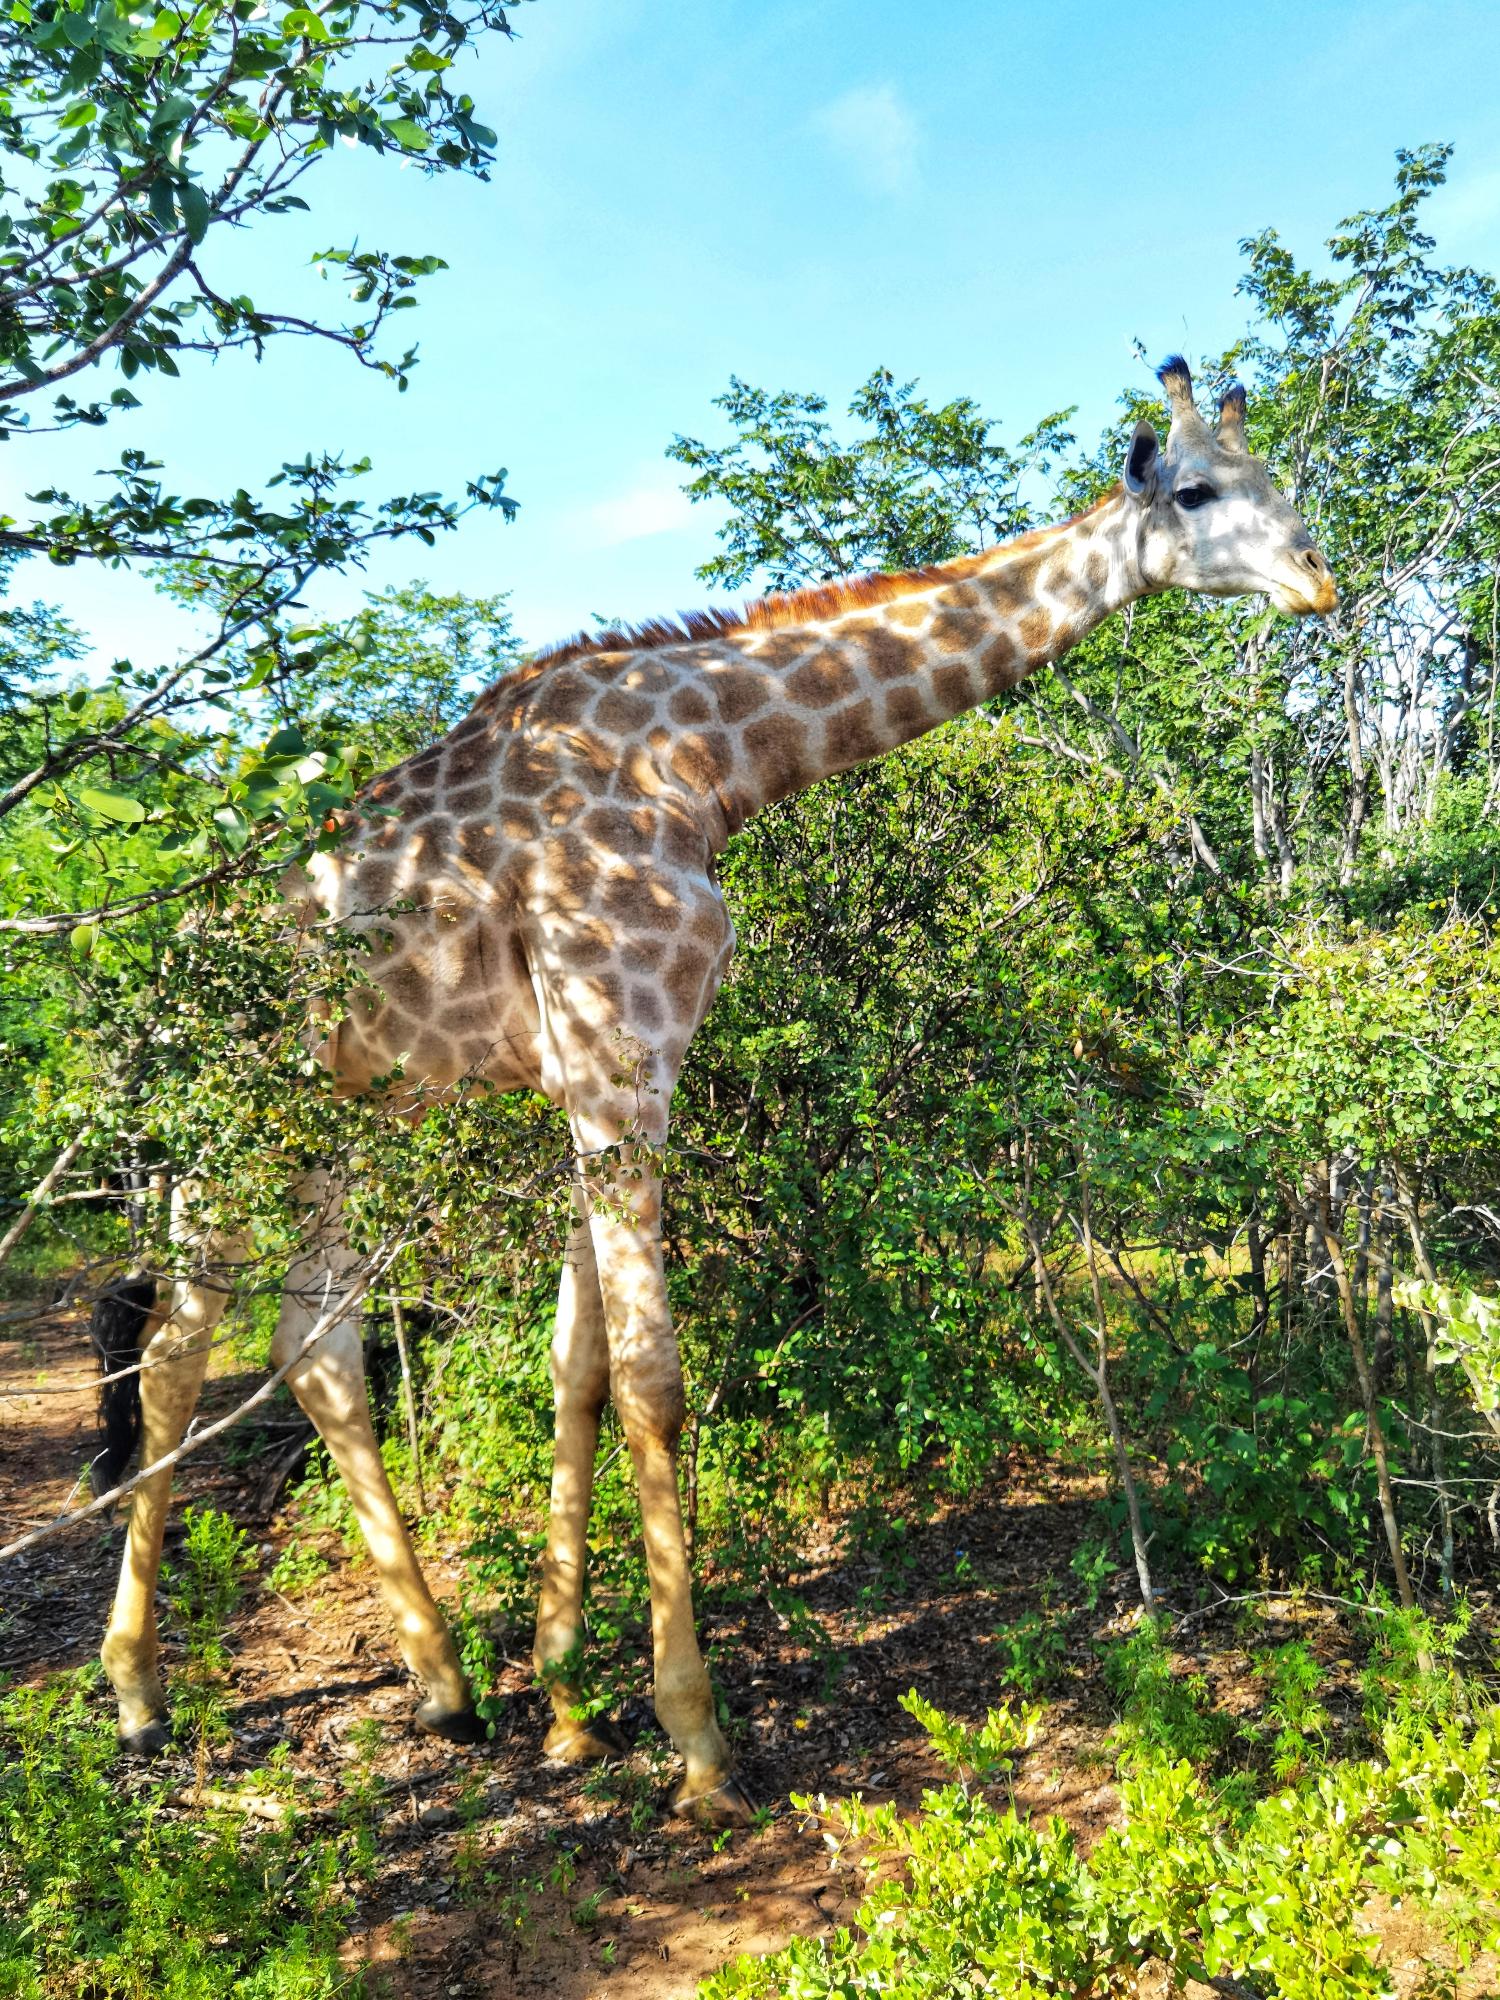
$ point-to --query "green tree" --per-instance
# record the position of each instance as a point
(918, 485)
(135, 148)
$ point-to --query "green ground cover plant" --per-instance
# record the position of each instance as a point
(110, 1887)
(1218, 1878)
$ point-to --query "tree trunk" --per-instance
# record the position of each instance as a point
(1321, 1218)
(1384, 1355)
(1258, 816)
(1359, 1277)
(1098, 1374)
(1260, 1298)
(1359, 777)
(1286, 855)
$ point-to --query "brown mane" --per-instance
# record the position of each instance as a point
(789, 607)
(761, 614)
(767, 614)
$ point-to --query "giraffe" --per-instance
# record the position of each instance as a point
(537, 892)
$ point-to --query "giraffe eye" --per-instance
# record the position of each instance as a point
(1194, 496)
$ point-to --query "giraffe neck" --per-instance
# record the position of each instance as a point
(804, 701)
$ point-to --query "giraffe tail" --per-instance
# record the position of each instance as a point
(118, 1321)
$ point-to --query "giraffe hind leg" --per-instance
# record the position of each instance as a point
(175, 1359)
(580, 1385)
(329, 1383)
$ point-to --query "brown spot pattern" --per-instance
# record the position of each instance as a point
(529, 769)
(562, 804)
(955, 631)
(739, 691)
(953, 689)
(690, 704)
(642, 954)
(1015, 584)
(560, 697)
(620, 712)
(570, 870)
(519, 823)
(685, 981)
(642, 900)
(997, 663)
(906, 712)
(891, 655)
(851, 736)
(822, 680)
(701, 758)
(471, 799)
(1036, 630)
(620, 831)
(777, 748)
(646, 1010)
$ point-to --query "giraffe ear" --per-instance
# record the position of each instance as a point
(1141, 462)
(1232, 418)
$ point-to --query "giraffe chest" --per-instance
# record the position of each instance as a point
(443, 992)
(517, 951)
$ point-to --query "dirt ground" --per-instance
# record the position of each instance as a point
(501, 1875)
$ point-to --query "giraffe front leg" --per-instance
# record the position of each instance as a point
(580, 1385)
(646, 1382)
(174, 1361)
(330, 1386)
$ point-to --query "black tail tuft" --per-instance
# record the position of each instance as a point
(118, 1322)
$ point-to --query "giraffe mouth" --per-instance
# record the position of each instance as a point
(1302, 585)
(1297, 601)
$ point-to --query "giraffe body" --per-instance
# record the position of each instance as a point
(557, 848)
(537, 899)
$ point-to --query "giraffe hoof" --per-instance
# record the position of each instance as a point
(455, 1725)
(150, 1740)
(584, 1742)
(724, 1804)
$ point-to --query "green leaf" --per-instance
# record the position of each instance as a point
(302, 21)
(159, 200)
(233, 826)
(172, 113)
(195, 210)
(408, 133)
(113, 805)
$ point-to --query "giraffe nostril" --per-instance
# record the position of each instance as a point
(1313, 561)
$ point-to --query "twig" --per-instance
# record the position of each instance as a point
(1291, 1596)
(258, 1805)
(375, 1268)
(41, 1191)
(398, 1321)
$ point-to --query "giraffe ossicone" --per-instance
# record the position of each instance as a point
(537, 892)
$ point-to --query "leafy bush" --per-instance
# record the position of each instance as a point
(105, 1890)
(982, 1900)
(1163, 1713)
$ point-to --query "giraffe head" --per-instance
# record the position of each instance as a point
(1210, 519)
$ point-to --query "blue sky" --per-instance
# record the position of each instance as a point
(995, 198)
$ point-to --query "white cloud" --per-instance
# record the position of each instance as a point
(875, 136)
(650, 508)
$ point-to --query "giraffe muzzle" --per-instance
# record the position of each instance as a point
(1304, 586)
